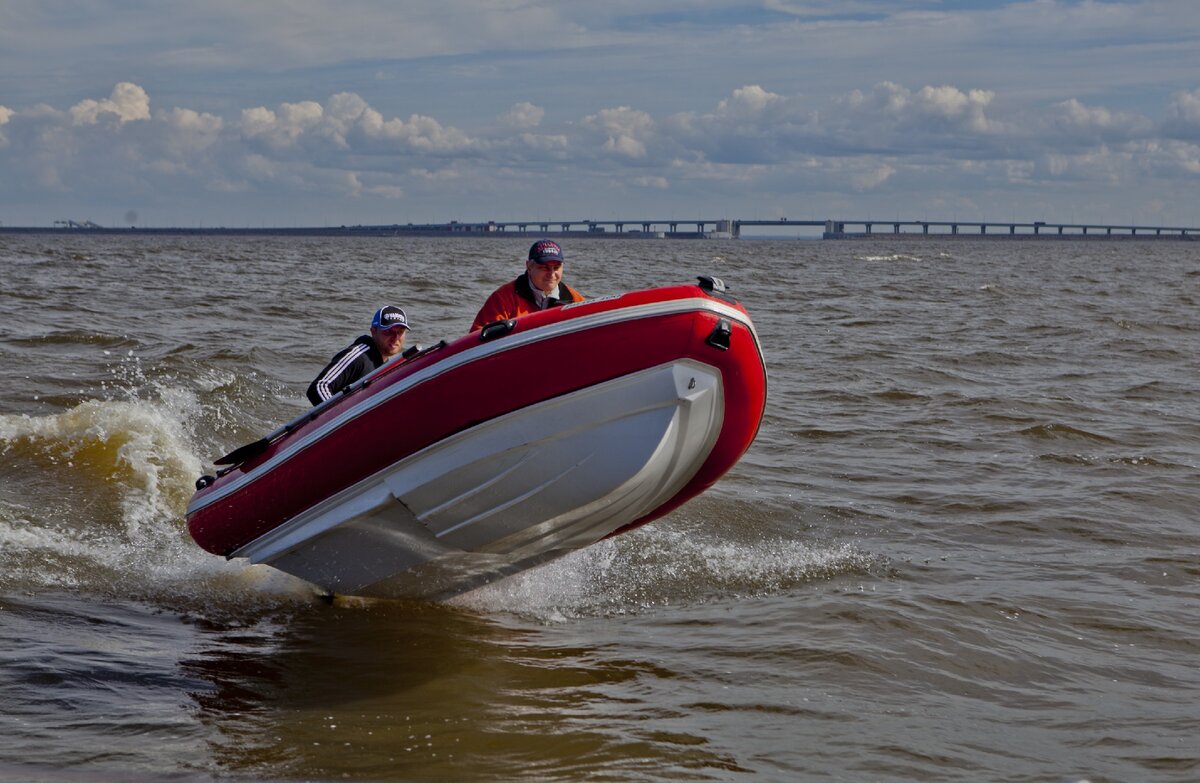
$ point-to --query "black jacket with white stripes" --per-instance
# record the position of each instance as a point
(347, 366)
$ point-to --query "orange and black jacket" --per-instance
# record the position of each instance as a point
(516, 298)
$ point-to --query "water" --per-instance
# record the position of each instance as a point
(963, 548)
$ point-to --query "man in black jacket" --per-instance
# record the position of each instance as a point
(384, 343)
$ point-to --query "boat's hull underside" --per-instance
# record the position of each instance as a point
(462, 512)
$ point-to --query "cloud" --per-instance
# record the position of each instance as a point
(555, 145)
(756, 126)
(749, 101)
(1076, 120)
(127, 103)
(874, 177)
(626, 132)
(654, 183)
(348, 122)
(5, 115)
(1183, 115)
(826, 8)
(966, 109)
(943, 110)
(282, 128)
(1182, 156)
(523, 115)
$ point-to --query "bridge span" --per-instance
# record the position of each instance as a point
(838, 229)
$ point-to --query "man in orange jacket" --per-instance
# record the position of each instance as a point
(540, 287)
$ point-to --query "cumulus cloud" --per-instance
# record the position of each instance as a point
(282, 128)
(954, 105)
(747, 101)
(750, 126)
(930, 109)
(1185, 106)
(1183, 115)
(1184, 156)
(1075, 119)
(626, 131)
(5, 114)
(523, 116)
(654, 183)
(555, 144)
(347, 122)
(127, 103)
(873, 177)
(188, 132)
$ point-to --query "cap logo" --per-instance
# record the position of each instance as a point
(389, 316)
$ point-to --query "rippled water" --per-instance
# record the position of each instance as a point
(964, 546)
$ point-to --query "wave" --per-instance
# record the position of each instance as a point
(99, 477)
(139, 447)
(1129, 461)
(1062, 431)
(98, 495)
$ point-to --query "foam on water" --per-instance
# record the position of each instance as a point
(889, 257)
(139, 446)
(116, 476)
(667, 563)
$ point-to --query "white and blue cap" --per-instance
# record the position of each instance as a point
(389, 317)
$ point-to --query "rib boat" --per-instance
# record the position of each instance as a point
(474, 459)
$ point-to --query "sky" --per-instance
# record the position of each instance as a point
(160, 113)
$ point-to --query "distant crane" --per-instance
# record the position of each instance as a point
(76, 224)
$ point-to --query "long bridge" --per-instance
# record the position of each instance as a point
(676, 228)
(837, 229)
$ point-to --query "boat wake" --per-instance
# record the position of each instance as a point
(111, 479)
(669, 563)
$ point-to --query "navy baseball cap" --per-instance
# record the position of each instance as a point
(389, 317)
(544, 250)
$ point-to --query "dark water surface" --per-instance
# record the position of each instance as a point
(965, 546)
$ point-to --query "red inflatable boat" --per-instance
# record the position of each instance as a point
(475, 459)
